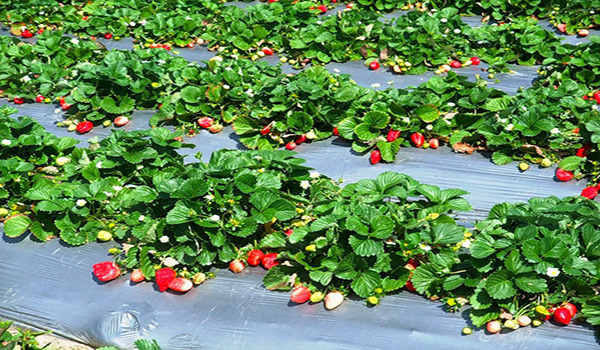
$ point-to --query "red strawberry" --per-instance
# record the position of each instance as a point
(414, 263)
(19, 100)
(374, 65)
(191, 45)
(66, 107)
(300, 139)
(375, 157)
(300, 295)
(563, 175)
(236, 266)
(137, 276)
(267, 51)
(575, 131)
(455, 64)
(571, 308)
(41, 31)
(106, 271)
(434, 143)
(597, 96)
(205, 122)
(84, 127)
(322, 8)
(164, 277)
(562, 315)
(289, 232)
(181, 285)
(393, 135)
(26, 34)
(120, 121)
(581, 152)
(336, 132)
(39, 98)
(494, 327)
(84, 18)
(475, 60)
(265, 130)
(417, 139)
(561, 27)
(410, 287)
(290, 146)
(61, 101)
(585, 97)
(350, 5)
(590, 193)
(108, 36)
(254, 257)
(269, 260)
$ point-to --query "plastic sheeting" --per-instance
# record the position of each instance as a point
(50, 285)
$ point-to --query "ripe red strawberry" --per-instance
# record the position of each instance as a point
(267, 51)
(392, 135)
(434, 143)
(39, 99)
(300, 294)
(120, 121)
(414, 263)
(300, 139)
(322, 8)
(561, 27)
(562, 315)
(494, 327)
(180, 284)
(237, 266)
(417, 139)
(289, 232)
(575, 131)
(265, 130)
(374, 65)
(572, 308)
(106, 271)
(269, 260)
(26, 34)
(254, 257)
(191, 45)
(66, 107)
(61, 101)
(455, 64)
(563, 175)
(375, 157)
(137, 276)
(585, 97)
(108, 36)
(290, 145)
(205, 122)
(350, 5)
(590, 193)
(19, 100)
(475, 60)
(597, 96)
(581, 152)
(84, 127)
(336, 132)
(164, 277)
(410, 287)
(41, 31)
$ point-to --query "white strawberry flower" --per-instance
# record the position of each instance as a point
(304, 184)
(126, 24)
(226, 87)
(429, 127)
(6, 142)
(170, 262)
(99, 165)
(162, 61)
(250, 93)
(142, 218)
(75, 41)
(80, 202)
(132, 23)
(314, 174)
(552, 272)
(406, 120)
(451, 104)
(375, 85)
(503, 120)
(140, 167)
(319, 22)
(108, 194)
(444, 20)
(466, 244)
(228, 68)
(425, 247)
(58, 110)
(215, 218)
(456, 31)
(117, 188)
(164, 239)
(391, 82)
(26, 79)
(209, 197)
(595, 107)
(336, 70)
(143, 22)
(555, 131)
(510, 127)
(524, 108)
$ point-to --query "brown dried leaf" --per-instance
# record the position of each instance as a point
(383, 55)
(462, 147)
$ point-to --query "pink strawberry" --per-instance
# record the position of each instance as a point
(106, 271)
(572, 308)
(300, 294)
(164, 277)
(180, 284)
(120, 121)
(215, 128)
(333, 300)
(494, 327)
(137, 276)
(237, 266)
(561, 27)
(434, 143)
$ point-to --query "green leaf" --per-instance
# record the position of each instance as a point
(427, 113)
(365, 246)
(531, 283)
(453, 282)
(389, 149)
(364, 284)
(447, 234)
(300, 122)
(346, 93)
(499, 285)
(481, 317)
(502, 157)
(570, 163)
(498, 104)
(127, 104)
(191, 94)
(16, 225)
(146, 264)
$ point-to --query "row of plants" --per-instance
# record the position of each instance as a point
(551, 122)
(177, 222)
(17, 338)
(410, 44)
